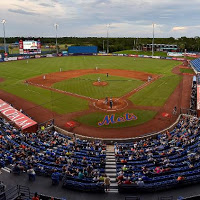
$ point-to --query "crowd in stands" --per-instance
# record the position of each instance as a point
(168, 160)
(50, 153)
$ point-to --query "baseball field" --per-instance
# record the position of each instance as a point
(76, 88)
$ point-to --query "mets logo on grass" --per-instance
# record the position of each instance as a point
(111, 119)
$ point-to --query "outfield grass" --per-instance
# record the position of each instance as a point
(189, 71)
(56, 102)
(83, 85)
(93, 118)
(15, 73)
(156, 93)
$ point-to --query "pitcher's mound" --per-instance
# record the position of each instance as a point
(101, 83)
(118, 104)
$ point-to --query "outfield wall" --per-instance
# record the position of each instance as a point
(25, 57)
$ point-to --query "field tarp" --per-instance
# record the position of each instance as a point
(17, 118)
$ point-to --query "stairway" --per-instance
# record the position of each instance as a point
(110, 168)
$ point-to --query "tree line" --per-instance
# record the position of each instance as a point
(116, 44)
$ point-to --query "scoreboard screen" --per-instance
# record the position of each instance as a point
(30, 47)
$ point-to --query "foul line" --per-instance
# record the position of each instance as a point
(64, 92)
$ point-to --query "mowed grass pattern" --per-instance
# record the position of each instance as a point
(14, 74)
(83, 85)
(156, 93)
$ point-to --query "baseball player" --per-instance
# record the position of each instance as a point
(99, 79)
(111, 103)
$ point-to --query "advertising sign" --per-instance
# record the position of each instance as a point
(38, 44)
(10, 59)
(65, 53)
(198, 97)
(20, 58)
(37, 56)
(18, 118)
(21, 44)
(1, 58)
(49, 55)
(176, 54)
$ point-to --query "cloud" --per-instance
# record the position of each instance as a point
(179, 28)
(21, 11)
(46, 5)
(131, 18)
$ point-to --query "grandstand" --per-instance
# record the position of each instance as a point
(195, 64)
(166, 161)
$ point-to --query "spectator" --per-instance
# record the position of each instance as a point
(140, 182)
(35, 197)
(107, 182)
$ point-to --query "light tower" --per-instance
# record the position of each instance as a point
(107, 38)
(3, 21)
(56, 27)
(153, 41)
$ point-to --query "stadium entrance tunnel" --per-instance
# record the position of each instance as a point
(110, 104)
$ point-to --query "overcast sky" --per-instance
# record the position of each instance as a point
(85, 18)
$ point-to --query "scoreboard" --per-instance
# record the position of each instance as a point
(30, 47)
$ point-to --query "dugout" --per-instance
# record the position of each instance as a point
(82, 50)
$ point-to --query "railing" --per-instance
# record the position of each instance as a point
(23, 193)
(46, 124)
(17, 191)
(188, 112)
(10, 194)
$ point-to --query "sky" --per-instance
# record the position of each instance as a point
(90, 18)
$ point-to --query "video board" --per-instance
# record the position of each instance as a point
(30, 47)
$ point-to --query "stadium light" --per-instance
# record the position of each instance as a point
(56, 27)
(103, 45)
(153, 41)
(3, 21)
(107, 38)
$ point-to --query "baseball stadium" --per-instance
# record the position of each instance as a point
(110, 106)
(81, 122)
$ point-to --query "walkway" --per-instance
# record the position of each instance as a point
(111, 168)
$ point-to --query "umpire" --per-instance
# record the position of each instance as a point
(111, 103)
